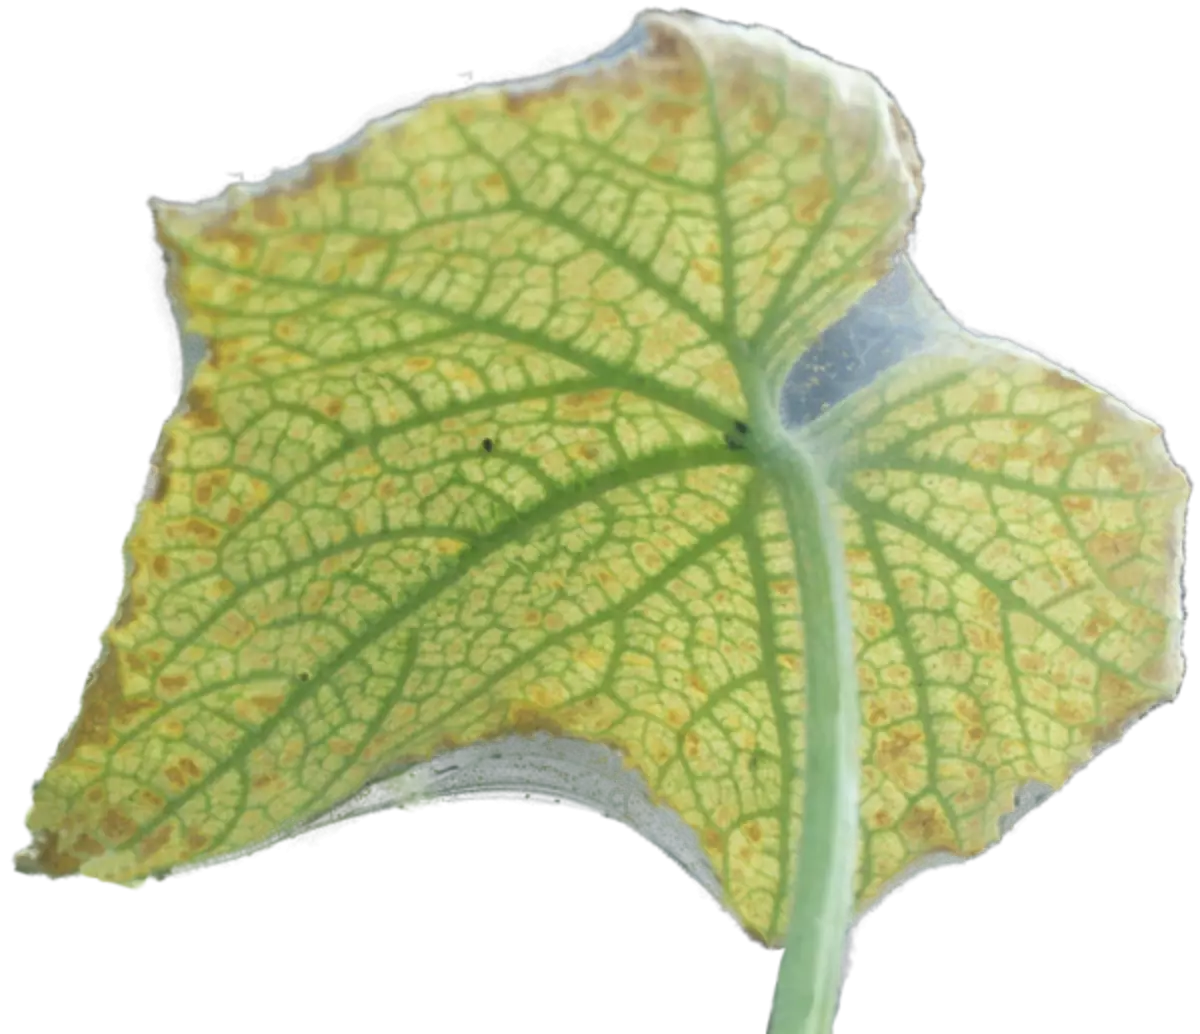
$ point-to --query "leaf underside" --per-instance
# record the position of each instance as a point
(469, 455)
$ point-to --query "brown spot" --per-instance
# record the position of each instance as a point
(161, 566)
(195, 841)
(664, 43)
(267, 704)
(761, 121)
(345, 169)
(1072, 713)
(200, 530)
(927, 825)
(525, 721)
(1109, 549)
(104, 706)
(173, 683)
(333, 408)
(713, 840)
(117, 827)
(233, 516)
(754, 831)
(1089, 433)
(672, 114)
(155, 840)
(200, 411)
(809, 201)
(1060, 381)
(365, 246)
(88, 845)
(897, 745)
(267, 210)
(600, 114)
(45, 856)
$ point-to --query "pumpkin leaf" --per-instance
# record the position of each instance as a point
(480, 480)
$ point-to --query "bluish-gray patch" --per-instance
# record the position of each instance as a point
(883, 327)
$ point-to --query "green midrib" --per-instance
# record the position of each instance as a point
(810, 972)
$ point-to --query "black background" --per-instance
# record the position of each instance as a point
(167, 107)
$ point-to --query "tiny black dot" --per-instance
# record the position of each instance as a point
(303, 676)
(740, 427)
(488, 445)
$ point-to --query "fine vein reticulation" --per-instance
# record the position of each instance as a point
(470, 454)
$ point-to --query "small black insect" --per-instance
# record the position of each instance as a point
(740, 427)
(488, 445)
(734, 443)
